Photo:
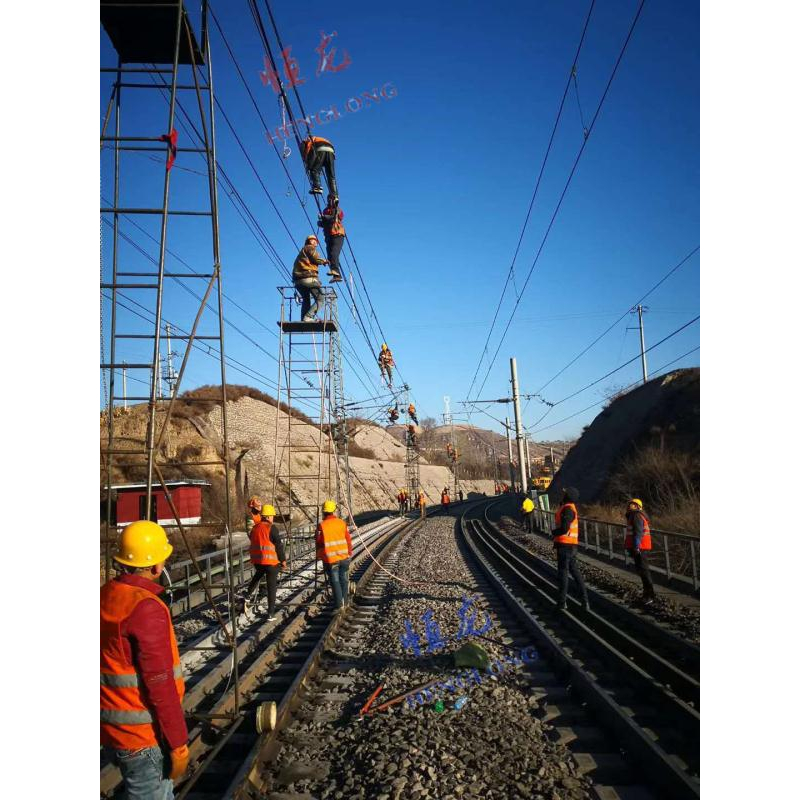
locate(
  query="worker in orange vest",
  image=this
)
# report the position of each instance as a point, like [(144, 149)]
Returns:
[(386, 362), (253, 512), (267, 555), (565, 538), (401, 501), (335, 549), (421, 502), (445, 497), (318, 154), (305, 275), (141, 683), (638, 544), (330, 220), (412, 412)]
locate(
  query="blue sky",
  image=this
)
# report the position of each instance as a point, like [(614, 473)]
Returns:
[(435, 183)]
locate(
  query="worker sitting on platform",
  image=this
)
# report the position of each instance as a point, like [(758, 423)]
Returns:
[(267, 556), (141, 683), (318, 154), (638, 544), (527, 514), (394, 415), (334, 549), (306, 278), (386, 362), (412, 412), (411, 436), (330, 220)]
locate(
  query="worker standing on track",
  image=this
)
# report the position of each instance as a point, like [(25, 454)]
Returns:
[(330, 220), (527, 514), (412, 412), (268, 556), (637, 543), (460, 495), (318, 154), (141, 683), (401, 501), (566, 542), (421, 502), (305, 276), (335, 549), (386, 362)]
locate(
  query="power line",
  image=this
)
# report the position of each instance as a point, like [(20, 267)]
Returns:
[(566, 186), (535, 194)]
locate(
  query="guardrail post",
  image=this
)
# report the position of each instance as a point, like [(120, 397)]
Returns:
[(695, 582), (188, 590), (208, 575), (597, 537), (241, 565), (666, 555), (610, 543)]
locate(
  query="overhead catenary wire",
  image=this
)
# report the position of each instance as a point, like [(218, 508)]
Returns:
[(563, 194)]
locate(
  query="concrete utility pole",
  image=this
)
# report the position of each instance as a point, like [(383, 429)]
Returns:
[(523, 477), (528, 459), (510, 454), (641, 311)]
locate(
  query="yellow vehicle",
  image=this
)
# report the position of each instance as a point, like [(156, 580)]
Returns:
[(542, 482)]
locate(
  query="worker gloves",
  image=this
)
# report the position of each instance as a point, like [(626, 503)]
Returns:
[(179, 760)]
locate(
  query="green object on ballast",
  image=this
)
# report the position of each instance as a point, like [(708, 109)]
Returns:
[(471, 655), (438, 707)]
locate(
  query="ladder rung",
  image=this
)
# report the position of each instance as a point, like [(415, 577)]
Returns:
[(156, 86), (129, 286), (166, 275), (123, 452), (138, 148), (113, 210)]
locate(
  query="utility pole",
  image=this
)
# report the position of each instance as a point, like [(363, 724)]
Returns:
[(523, 478), (640, 310), (125, 385), (510, 455), (528, 458)]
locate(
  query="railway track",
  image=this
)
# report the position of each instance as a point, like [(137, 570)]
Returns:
[(270, 653), (638, 681)]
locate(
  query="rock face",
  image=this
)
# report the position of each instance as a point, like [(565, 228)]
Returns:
[(257, 438), (668, 406)]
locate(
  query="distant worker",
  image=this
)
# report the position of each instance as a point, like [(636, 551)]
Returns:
[(637, 543), (141, 683), (497, 489), (401, 501), (386, 362), (318, 154), (305, 276), (527, 514), (421, 503), (460, 495), (330, 220), (253, 512), (412, 412), (565, 538), (411, 436), (334, 549), (394, 415), (267, 555), (445, 497)]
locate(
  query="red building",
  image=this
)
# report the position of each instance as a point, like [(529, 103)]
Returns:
[(128, 501)]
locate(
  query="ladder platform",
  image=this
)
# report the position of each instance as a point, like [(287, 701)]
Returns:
[(317, 326), (145, 32)]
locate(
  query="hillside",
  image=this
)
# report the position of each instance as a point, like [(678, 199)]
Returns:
[(257, 432), (645, 444)]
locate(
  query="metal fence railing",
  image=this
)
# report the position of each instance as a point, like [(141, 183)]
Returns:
[(675, 555)]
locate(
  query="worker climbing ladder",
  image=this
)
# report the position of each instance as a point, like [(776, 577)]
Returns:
[(310, 455), (412, 451), (156, 49)]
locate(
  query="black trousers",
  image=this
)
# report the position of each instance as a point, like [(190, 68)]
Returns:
[(270, 572), (640, 559), (527, 521), (333, 246), (318, 161), (568, 563)]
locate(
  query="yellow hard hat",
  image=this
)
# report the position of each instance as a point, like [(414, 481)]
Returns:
[(328, 507), (527, 504), (267, 510), (384, 347), (635, 501), (143, 544)]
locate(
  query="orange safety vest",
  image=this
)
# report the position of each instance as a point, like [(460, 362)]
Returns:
[(646, 543), (445, 499), (421, 500), (262, 550), (571, 536), (125, 721), (336, 228), (311, 141), (334, 540)]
